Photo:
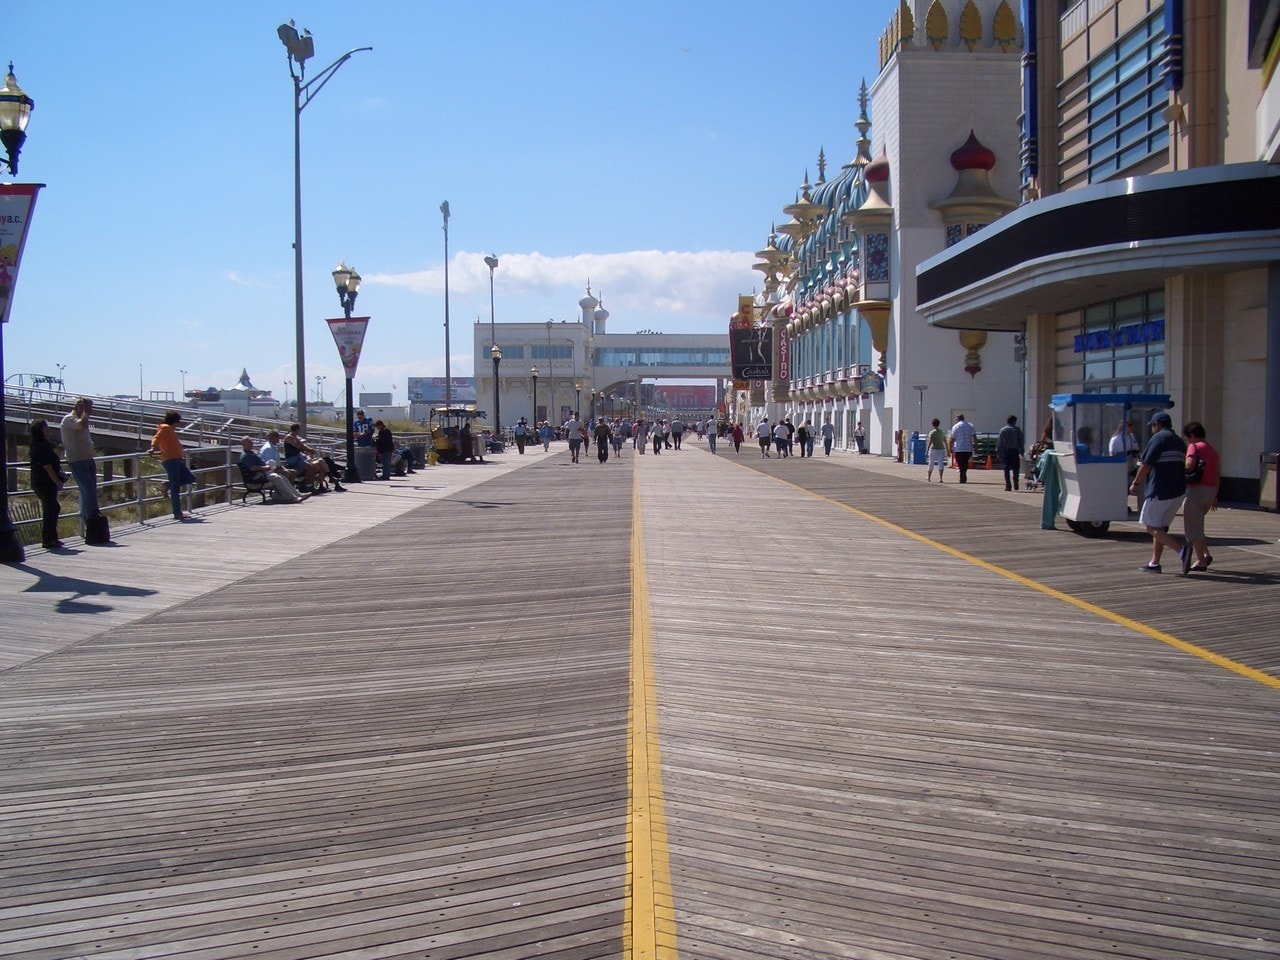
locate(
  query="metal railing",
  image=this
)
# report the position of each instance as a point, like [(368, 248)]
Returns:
[(129, 489), (127, 416)]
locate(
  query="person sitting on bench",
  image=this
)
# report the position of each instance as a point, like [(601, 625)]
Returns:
[(257, 470), (301, 458)]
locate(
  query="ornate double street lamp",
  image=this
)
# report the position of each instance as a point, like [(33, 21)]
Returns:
[(495, 351), (301, 48), (348, 334), (17, 200), (534, 374)]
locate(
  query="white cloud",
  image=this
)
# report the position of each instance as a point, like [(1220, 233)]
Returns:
[(243, 281), (642, 283)]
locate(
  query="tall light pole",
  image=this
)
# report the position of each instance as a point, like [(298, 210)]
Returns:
[(300, 49), (347, 282), (184, 383), (495, 351), (287, 385), (448, 379), (534, 374), (551, 372)]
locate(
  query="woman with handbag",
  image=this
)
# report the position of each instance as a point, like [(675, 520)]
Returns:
[(47, 480), (1203, 468)]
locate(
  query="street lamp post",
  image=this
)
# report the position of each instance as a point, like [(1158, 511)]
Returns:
[(496, 352), (921, 388), (184, 383), (15, 110), (491, 262), (577, 399), (534, 374), (300, 48), (551, 363), (287, 385), (347, 282), (448, 380)]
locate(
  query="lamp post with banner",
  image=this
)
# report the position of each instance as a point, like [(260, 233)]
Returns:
[(348, 336), (17, 200)]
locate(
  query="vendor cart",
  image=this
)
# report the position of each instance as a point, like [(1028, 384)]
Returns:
[(446, 435), (1095, 481)]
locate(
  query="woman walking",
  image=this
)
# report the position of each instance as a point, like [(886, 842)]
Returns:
[(166, 445), (47, 480), (1203, 469)]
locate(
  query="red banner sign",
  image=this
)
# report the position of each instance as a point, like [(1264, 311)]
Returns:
[(348, 334)]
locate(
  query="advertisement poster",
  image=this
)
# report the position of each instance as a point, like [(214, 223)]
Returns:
[(348, 335), (17, 200), (751, 352)]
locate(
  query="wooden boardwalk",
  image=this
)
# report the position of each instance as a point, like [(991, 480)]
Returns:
[(400, 726)]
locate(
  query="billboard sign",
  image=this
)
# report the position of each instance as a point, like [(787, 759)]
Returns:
[(751, 352), (431, 390)]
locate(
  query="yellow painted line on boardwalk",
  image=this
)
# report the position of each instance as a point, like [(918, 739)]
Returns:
[(1218, 660), (649, 924)]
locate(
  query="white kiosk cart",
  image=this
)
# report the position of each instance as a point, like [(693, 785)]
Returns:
[(1095, 482)]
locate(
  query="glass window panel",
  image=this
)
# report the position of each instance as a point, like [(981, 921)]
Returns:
[(1097, 370)]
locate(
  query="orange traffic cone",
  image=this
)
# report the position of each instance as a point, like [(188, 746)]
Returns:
[(991, 465)]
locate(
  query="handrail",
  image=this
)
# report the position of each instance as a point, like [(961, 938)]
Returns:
[(141, 468), (123, 416)]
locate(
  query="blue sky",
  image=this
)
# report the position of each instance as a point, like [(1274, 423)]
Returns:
[(646, 146)]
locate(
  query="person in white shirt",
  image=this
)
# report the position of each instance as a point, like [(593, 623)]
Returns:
[(963, 438), (764, 433), (573, 430), (710, 430)]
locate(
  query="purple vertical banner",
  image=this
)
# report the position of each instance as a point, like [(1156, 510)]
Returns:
[(17, 200)]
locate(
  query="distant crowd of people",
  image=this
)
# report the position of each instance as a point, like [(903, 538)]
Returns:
[(1167, 474)]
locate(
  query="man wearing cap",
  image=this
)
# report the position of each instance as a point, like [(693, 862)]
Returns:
[(1162, 480)]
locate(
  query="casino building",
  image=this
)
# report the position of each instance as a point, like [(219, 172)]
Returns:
[(1056, 196), (1145, 252)]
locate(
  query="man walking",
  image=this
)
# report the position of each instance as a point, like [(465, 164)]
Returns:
[(1162, 478), (573, 429), (1009, 446), (963, 440)]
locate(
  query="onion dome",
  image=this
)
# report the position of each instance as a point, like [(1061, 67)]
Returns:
[(973, 156)]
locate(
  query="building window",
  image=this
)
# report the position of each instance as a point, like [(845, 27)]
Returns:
[(1114, 347), (1125, 97), (555, 351)]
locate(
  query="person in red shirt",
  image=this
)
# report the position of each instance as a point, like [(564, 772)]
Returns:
[(1202, 494)]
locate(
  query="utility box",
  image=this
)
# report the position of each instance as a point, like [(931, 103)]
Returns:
[(1269, 481)]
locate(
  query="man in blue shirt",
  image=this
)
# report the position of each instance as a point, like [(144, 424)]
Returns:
[(1162, 479), (362, 428)]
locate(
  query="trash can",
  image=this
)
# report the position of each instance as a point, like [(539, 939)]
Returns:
[(365, 466), (1269, 481), (917, 449)]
